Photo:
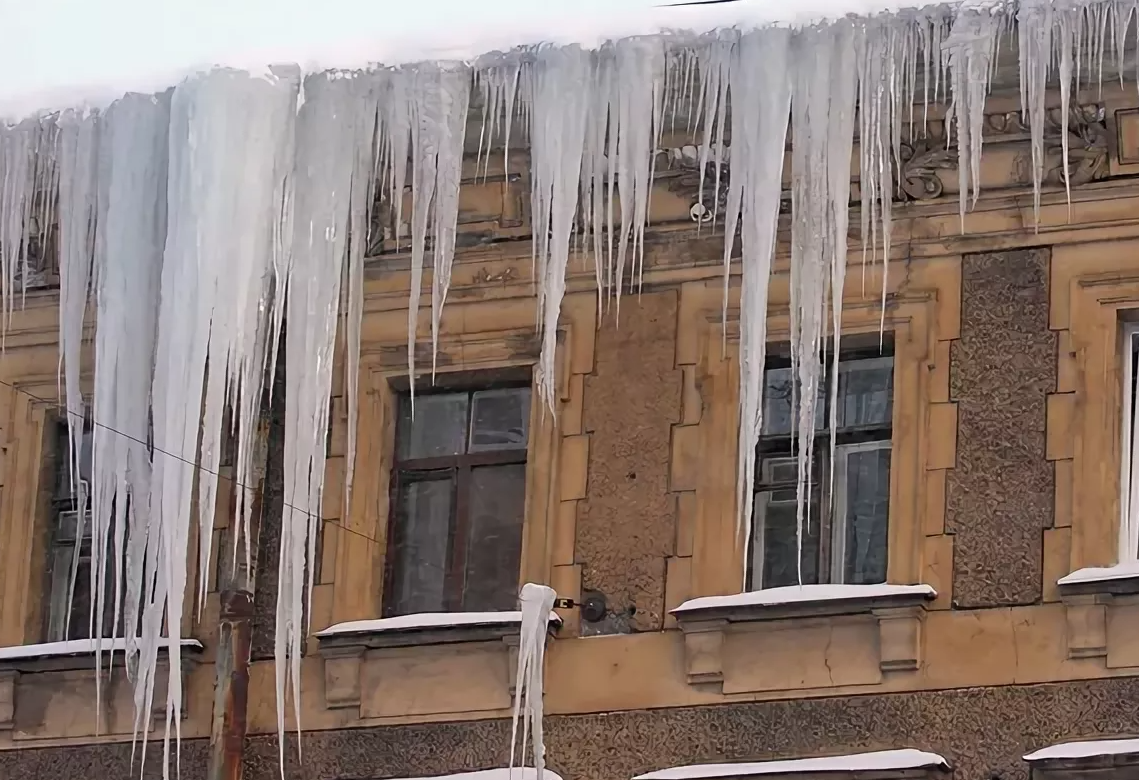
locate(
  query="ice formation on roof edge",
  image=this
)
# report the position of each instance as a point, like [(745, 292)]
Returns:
[(231, 203)]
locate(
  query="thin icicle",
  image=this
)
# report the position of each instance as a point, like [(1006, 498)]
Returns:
[(760, 82), (562, 80), (536, 603)]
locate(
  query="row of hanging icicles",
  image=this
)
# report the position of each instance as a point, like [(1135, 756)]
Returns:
[(193, 223)]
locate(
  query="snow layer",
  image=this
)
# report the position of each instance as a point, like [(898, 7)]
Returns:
[(428, 620), (1096, 747), (798, 594), (77, 647), (505, 773), (1121, 571), (235, 200), (906, 758)]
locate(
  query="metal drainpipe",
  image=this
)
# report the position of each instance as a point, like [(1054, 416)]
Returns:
[(235, 632)]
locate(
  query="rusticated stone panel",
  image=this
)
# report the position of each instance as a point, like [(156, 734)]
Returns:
[(1000, 494), (982, 731), (626, 525)]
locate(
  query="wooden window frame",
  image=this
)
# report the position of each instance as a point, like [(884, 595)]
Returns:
[(462, 466), (778, 446)]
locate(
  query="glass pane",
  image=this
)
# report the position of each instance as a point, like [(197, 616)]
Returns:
[(494, 547), (777, 409), (64, 488), (422, 544), (500, 419), (865, 392), (867, 503), (81, 595), (439, 427), (776, 536), (67, 526)]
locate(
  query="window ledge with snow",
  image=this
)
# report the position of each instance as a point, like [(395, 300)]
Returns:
[(856, 633), (1089, 760), (28, 671), (1099, 603), (425, 647), (904, 764), (517, 773)]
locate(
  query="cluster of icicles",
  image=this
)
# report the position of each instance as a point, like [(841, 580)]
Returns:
[(197, 222)]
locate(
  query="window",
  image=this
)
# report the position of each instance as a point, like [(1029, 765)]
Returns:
[(1129, 478), (458, 501), (845, 539), (70, 599)]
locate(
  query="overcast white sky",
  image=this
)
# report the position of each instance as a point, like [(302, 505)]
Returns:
[(58, 52)]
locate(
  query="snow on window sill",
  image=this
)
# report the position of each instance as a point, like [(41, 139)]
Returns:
[(894, 612), (426, 628), (1122, 578), (517, 773), (803, 600), (880, 762), (1089, 749), (73, 654), (1097, 758)]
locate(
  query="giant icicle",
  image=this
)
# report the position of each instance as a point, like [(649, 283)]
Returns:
[(221, 209)]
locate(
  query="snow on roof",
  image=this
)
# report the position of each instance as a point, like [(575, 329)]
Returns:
[(794, 594), (428, 620), (517, 773), (62, 54), (906, 758), (74, 647), (1095, 747), (1120, 571)]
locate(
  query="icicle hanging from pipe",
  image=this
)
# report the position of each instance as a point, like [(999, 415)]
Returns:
[(536, 603)]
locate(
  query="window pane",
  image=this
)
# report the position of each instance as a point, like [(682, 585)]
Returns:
[(439, 427), (422, 543), (500, 419), (865, 392), (776, 540), (866, 501), (497, 504), (67, 526), (777, 410), (81, 596), (64, 489)]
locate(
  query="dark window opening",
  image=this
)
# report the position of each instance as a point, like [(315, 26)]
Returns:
[(458, 501), (845, 528)]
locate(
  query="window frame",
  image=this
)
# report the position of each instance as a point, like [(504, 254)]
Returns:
[(1129, 418), (774, 447), (405, 471)]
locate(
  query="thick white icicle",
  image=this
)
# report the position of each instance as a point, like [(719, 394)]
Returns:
[(760, 79), (562, 81), (332, 135), (536, 603), (971, 45), (227, 137), (822, 113)]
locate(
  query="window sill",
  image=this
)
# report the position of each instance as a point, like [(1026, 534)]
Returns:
[(422, 649), (1099, 602), (906, 764), (39, 661), (1086, 760), (882, 621)]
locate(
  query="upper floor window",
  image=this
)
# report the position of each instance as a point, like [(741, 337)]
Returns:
[(845, 537), (1129, 478), (458, 501), (69, 565)]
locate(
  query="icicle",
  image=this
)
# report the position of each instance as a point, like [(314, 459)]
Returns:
[(333, 144), (971, 47), (562, 82), (823, 125), (536, 603), (760, 81)]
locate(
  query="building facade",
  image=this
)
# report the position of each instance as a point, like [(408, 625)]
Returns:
[(982, 452)]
